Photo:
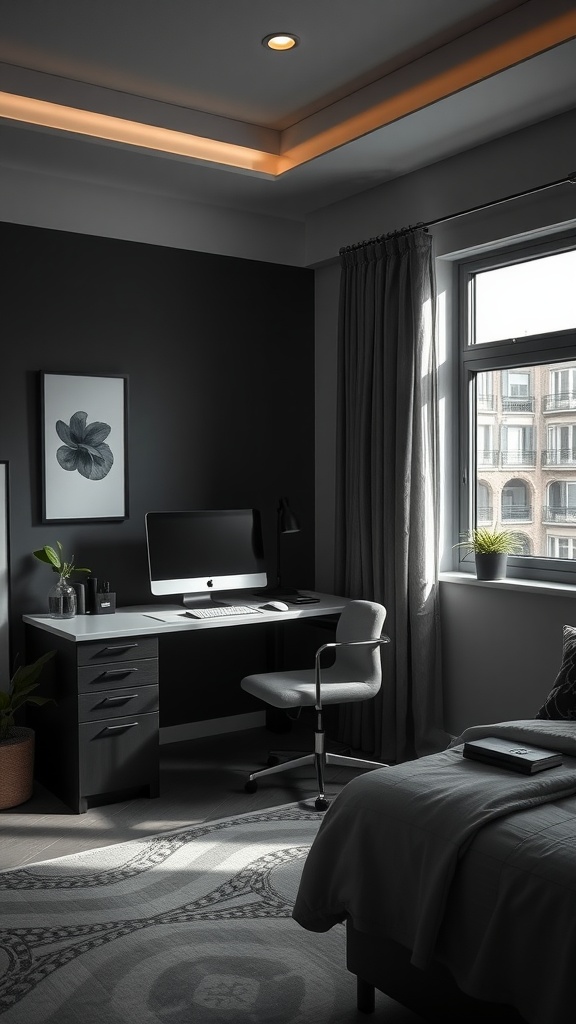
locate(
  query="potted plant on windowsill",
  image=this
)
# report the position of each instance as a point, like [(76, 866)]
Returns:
[(17, 742), (491, 549)]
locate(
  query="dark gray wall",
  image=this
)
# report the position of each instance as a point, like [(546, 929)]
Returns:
[(219, 353)]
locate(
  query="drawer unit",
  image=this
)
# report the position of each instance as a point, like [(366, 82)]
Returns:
[(106, 704), (115, 675), (119, 747), (99, 740), (94, 652)]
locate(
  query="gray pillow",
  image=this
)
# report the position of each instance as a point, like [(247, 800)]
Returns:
[(561, 701)]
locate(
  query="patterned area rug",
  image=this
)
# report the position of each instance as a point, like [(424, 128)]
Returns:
[(186, 927)]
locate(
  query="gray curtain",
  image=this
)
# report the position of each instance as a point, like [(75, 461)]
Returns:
[(387, 486)]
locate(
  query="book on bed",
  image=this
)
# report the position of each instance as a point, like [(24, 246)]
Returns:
[(518, 757)]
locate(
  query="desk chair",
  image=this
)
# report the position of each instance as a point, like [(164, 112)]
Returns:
[(356, 674)]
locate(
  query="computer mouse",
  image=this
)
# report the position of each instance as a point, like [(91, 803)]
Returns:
[(275, 606)]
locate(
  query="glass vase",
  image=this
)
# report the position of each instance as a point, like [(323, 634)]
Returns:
[(62, 600)]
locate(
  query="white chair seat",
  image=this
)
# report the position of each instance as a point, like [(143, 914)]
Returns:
[(298, 689)]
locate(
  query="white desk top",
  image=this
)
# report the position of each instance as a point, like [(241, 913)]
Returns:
[(139, 620)]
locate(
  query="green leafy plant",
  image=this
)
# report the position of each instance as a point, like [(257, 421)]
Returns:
[(23, 682), (483, 541), (57, 561)]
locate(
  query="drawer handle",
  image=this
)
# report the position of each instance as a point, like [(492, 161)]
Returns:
[(115, 728), (122, 698), (117, 673), (120, 647)]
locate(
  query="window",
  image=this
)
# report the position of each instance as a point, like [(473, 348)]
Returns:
[(518, 403), (516, 504)]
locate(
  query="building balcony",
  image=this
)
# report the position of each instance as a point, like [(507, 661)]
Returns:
[(484, 514), (517, 404), (564, 401), (485, 403), (565, 457), (517, 514), (517, 458), (559, 514), (488, 457)]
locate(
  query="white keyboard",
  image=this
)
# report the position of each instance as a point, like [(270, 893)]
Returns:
[(222, 610)]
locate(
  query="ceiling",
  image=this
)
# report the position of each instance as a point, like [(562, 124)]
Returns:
[(182, 98)]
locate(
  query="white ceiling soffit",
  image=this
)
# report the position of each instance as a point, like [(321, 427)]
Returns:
[(450, 75)]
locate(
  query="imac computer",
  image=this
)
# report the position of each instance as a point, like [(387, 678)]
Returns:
[(199, 553)]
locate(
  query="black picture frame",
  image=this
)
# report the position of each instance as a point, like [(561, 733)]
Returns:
[(5, 660), (84, 447)]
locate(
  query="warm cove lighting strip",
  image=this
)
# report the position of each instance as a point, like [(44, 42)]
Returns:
[(134, 133), (437, 87), (407, 101)]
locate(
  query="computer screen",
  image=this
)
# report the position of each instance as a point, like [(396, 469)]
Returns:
[(201, 551)]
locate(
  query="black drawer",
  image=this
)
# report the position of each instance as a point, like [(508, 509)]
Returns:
[(113, 676), (129, 649), (119, 754), (107, 704)]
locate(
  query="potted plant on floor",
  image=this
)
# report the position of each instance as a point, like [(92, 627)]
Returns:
[(17, 742), (491, 549)]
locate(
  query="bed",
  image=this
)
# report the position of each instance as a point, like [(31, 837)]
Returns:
[(456, 881)]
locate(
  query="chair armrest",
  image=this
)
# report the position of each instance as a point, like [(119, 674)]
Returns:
[(378, 641)]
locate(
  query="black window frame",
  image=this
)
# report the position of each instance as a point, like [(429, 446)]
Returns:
[(528, 351)]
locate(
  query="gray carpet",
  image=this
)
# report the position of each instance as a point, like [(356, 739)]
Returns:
[(187, 926)]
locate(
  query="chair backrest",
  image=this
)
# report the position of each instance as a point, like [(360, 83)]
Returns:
[(360, 620)]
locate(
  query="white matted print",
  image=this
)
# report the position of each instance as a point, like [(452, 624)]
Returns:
[(4, 580), (84, 447)]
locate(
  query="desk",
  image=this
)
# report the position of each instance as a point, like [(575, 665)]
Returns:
[(101, 737)]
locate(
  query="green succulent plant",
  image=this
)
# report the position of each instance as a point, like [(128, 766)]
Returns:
[(56, 559), (23, 682), (483, 541)]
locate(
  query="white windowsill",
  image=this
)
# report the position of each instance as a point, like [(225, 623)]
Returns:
[(525, 586)]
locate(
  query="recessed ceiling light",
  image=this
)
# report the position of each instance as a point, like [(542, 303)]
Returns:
[(280, 41)]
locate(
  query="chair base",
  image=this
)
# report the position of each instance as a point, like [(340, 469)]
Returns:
[(341, 760)]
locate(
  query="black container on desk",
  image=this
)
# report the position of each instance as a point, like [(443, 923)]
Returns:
[(105, 604), (80, 598), (91, 591)]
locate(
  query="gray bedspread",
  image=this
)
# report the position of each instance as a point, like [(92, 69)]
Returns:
[(467, 862)]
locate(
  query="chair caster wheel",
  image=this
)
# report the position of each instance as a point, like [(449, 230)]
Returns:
[(272, 761), (251, 786), (321, 803)]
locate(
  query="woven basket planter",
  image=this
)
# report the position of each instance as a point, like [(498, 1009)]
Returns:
[(16, 767)]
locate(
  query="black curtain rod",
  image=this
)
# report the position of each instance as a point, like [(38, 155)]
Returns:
[(569, 179)]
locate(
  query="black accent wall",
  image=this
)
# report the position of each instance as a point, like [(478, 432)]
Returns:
[(219, 354)]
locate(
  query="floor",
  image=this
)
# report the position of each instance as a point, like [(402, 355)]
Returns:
[(200, 780)]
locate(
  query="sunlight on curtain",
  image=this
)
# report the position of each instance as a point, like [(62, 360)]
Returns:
[(387, 484)]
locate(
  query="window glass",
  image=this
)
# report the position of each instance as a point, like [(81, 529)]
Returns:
[(541, 496), (518, 404), (533, 297)]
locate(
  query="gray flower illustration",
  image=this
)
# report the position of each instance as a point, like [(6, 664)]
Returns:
[(84, 447)]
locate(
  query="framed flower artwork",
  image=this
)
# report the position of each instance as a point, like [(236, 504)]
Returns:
[(84, 447)]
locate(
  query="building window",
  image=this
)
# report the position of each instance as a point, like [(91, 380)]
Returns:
[(484, 509), (518, 400), (516, 504), (562, 547), (561, 502), (517, 448)]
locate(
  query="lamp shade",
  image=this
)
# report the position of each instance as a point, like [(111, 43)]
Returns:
[(287, 521)]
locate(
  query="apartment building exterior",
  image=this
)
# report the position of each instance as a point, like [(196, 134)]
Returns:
[(526, 456)]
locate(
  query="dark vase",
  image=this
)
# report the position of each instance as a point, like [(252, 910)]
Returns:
[(491, 565)]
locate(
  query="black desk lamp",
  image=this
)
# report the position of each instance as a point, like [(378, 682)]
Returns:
[(286, 522)]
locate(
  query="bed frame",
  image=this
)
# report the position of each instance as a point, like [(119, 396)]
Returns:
[(385, 965)]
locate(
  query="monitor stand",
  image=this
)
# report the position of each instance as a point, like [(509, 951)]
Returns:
[(200, 600)]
